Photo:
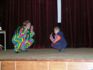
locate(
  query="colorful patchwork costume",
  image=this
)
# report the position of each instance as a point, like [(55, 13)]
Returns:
[(22, 39)]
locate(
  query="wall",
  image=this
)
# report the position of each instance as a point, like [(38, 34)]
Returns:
[(45, 65)]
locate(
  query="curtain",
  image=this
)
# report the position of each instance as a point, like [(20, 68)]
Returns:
[(41, 13), (77, 23)]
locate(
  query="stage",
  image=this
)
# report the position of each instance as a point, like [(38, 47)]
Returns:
[(47, 59), (69, 54)]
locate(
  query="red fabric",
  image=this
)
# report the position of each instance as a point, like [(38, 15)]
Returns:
[(77, 20), (42, 14)]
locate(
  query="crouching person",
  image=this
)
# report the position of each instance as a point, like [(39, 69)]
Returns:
[(58, 41), (23, 37)]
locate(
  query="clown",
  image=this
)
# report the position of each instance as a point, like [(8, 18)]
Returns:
[(58, 41), (23, 37)]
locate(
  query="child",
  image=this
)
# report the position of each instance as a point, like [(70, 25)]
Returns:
[(23, 37), (58, 41)]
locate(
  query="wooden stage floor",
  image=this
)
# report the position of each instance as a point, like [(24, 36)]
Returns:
[(75, 54)]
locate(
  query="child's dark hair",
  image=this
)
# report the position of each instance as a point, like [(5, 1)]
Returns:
[(27, 21)]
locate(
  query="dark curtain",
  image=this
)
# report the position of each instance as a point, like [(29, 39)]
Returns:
[(41, 13), (2, 13), (77, 23)]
